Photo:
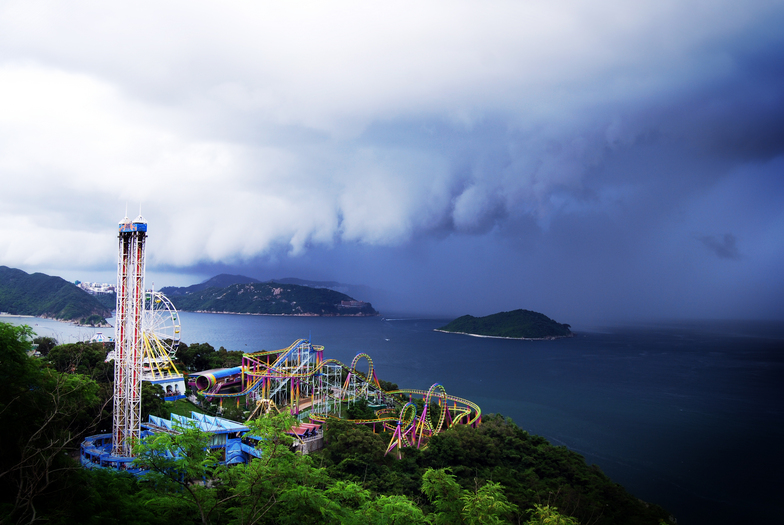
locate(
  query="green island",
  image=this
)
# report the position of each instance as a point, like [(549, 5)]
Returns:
[(249, 296), (517, 324), (496, 473), (42, 295)]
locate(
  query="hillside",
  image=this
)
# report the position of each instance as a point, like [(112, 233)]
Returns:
[(219, 281), (223, 280), (518, 324), (268, 298), (354, 290), (47, 296)]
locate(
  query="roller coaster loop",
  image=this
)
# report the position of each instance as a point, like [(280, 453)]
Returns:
[(405, 424), (424, 427), (352, 373)]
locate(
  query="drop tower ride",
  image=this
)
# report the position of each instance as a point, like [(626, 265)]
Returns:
[(128, 336)]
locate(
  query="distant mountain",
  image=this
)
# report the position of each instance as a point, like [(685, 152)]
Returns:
[(354, 290), (47, 296), (518, 324), (312, 284), (219, 281), (271, 298)]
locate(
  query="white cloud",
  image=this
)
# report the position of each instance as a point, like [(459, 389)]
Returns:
[(240, 126)]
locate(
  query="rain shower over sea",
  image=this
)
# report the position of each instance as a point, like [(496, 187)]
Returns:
[(685, 415)]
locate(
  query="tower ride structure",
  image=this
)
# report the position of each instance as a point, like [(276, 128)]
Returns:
[(147, 332), (129, 336)]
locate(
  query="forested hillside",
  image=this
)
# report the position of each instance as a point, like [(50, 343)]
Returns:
[(219, 281), (269, 298), (528, 469), (47, 296)]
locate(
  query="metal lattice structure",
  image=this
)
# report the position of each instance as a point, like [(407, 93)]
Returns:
[(297, 377), (129, 336), (285, 376), (358, 385)]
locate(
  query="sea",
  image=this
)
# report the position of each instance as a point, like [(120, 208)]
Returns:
[(687, 415)]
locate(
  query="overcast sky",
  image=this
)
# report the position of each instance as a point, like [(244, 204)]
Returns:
[(595, 161)]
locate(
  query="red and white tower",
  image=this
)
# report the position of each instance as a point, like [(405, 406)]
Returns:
[(128, 336)]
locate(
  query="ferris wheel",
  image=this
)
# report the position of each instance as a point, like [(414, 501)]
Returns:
[(161, 322), (161, 332)]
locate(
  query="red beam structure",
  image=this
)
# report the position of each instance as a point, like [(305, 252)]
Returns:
[(128, 336)]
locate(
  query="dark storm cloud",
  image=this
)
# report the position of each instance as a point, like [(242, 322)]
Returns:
[(742, 116), (724, 247)]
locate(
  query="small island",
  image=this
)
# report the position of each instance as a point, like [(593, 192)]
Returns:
[(517, 324)]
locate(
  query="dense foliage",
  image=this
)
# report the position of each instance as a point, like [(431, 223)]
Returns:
[(44, 412), (530, 470), (47, 296), (517, 324), (198, 357), (269, 298)]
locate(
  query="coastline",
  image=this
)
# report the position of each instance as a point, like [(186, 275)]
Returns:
[(67, 321), (281, 315), (549, 338)]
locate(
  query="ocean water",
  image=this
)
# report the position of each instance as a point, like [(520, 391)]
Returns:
[(686, 415)]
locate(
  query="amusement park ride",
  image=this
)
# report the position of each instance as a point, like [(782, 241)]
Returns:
[(296, 378)]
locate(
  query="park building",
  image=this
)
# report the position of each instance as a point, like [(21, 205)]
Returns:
[(225, 438)]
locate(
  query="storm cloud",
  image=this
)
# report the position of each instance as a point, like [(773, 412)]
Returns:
[(725, 247), (458, 157)]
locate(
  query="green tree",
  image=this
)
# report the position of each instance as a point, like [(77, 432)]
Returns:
[(547, 515), (184, 474), (387, 386), (84, 358), (233, 411), (177, 465), (454, 505), (359, 409), (152, 401), (45, 343), (487, 505), (392, 510), (223, 358), (444, 492), (43, 416), (195, 357)]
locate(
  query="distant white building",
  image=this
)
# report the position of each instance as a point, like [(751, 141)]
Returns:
[(96, 288)]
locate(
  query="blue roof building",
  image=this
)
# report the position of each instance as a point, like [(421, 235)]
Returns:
[(226, 437)]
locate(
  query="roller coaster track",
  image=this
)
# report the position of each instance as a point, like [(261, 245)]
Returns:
[(472, 413), (275, 371), (408, 428)]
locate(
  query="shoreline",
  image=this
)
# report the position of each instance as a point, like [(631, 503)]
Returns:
[(66, 321), (548, 338), (280, 315)]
